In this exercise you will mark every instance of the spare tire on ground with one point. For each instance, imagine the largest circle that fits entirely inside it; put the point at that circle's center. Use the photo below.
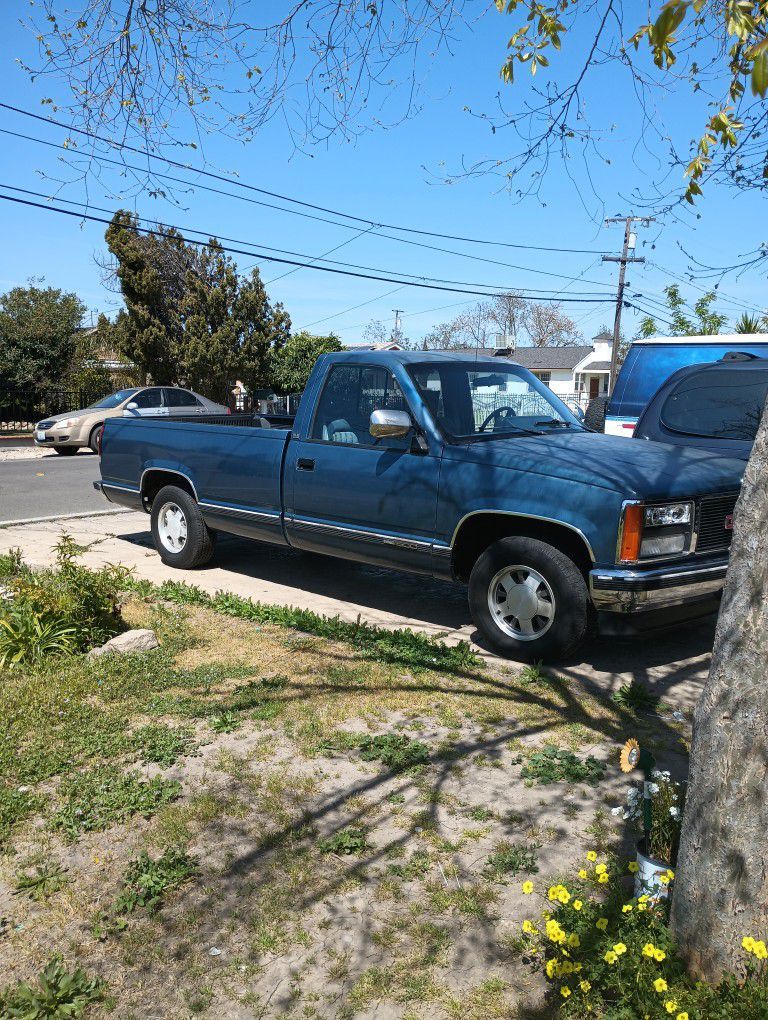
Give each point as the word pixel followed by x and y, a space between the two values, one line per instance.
pixel 594 416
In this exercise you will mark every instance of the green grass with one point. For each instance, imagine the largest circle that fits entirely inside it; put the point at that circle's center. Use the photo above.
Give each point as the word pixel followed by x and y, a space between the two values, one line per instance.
pixel 103 796
pixel 162 745
pixel 15 807
pixel 402 646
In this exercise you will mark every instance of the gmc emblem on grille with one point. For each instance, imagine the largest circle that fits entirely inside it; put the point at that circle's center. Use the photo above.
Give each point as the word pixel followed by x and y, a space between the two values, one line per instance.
pixel 728 522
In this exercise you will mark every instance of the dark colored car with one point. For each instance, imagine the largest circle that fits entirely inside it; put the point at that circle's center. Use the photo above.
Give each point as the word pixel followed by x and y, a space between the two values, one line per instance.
pixel 716 406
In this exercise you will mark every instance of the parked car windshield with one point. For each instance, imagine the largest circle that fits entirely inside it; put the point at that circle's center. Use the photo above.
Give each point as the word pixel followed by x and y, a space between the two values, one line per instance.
pixel 719 403
pixel 114 399
pixel 472 401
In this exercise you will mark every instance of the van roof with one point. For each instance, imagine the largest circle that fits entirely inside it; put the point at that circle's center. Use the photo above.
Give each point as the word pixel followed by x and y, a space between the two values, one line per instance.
pixel 715 338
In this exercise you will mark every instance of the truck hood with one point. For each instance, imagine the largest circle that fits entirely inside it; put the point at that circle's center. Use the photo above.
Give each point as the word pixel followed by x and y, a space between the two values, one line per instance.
pixel 636 469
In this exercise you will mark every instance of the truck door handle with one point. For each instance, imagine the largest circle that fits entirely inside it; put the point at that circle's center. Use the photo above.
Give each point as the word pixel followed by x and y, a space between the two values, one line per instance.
pixel 305 464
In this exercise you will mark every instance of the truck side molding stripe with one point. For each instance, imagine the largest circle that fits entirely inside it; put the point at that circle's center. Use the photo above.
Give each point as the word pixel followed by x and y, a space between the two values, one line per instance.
pixel 235 511
pixel 533 517
pixel 361 535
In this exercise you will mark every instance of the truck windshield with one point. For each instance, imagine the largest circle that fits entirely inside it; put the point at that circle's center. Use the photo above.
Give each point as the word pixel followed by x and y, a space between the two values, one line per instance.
pixel 476 401
pixel 722 403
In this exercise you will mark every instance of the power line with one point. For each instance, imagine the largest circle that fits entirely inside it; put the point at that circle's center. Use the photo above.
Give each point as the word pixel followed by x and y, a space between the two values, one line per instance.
pixel 287 198
pixel 325 269
pixel 354 309
pixel 294 212
pixel 312 263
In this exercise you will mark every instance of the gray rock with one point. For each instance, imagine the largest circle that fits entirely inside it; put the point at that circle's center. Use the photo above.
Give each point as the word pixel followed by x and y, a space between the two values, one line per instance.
pixel 130 641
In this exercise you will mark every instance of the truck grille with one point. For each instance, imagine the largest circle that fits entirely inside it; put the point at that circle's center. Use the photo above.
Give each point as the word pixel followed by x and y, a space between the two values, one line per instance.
pixel 716 522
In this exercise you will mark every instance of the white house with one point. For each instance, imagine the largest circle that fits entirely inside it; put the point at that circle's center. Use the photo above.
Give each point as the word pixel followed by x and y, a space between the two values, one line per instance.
pixel 573 373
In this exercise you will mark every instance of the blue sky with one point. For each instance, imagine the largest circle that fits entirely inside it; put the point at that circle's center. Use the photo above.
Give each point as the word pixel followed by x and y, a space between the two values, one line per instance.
pixel 395 176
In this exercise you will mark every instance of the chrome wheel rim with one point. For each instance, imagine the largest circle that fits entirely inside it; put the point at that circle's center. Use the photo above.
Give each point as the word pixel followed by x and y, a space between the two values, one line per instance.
pixel 172 527
pixel 521 602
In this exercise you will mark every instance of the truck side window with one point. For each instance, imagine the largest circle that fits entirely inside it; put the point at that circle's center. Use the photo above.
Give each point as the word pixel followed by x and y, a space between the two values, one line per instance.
pixel 349 396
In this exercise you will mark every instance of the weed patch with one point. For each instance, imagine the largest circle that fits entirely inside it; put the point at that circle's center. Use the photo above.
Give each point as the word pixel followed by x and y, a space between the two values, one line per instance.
pixel 46 880
pixel 147 881
pixel 349 841
pixel 553 765
pixel 510 859
pixel 636 696
pixel 162 745
pixel 58 995
pixel 103 796
pixel 15 806
pixel 394 750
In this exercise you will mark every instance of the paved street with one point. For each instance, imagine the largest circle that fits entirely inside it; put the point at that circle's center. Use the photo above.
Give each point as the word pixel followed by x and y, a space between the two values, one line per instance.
pixel 49 485
pixel 674 663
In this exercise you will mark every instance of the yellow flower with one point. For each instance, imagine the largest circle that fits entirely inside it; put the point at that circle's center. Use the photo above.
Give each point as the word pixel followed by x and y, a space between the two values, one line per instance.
pixel 574 941
pixel 660 985
pixel 626 909
pixel 667 877
pixel 577 904
pixel 527 888
pixel 659 955
pixel 591 855
pixel 552 967
pixel 602 879
pixel 670 1005
pixel 585 986
pixel 643 898
pixel 576 968
pixel 748 943
pixel 633 867
pixel 565 991
pixel 552 892
pixel 610 957
pixel 564 896
pixel 642 907
pixel 600 869
pixel 529 928
pixel 649 949
pixel 582 873
pixel 601 923
pixel 682 1016
pixel 760 950
pixel 619 949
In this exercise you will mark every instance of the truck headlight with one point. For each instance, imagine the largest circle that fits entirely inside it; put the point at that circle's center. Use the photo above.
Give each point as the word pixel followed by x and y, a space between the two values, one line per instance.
pixel 653 530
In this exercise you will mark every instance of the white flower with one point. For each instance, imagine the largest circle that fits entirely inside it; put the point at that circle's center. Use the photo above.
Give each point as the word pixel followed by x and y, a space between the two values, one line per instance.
pixel 617 811
pixel 653 788
pixel 675 812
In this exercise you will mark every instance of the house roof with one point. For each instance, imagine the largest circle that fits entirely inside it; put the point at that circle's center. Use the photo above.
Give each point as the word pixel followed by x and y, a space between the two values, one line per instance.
pixel 598 366
pixel 546 358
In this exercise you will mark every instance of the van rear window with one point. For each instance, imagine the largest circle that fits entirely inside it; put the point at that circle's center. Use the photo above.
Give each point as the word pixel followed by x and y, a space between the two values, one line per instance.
pixel 647 366
pixel 718 403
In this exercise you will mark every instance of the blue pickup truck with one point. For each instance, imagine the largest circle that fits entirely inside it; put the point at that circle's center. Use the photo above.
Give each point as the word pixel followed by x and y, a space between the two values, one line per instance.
pixel 453 466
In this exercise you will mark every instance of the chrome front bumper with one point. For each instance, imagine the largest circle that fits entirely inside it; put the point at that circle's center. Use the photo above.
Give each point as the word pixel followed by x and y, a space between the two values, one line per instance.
pixel 637 591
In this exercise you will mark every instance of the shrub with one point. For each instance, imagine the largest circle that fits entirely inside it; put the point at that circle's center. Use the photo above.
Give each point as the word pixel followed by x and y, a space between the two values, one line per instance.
pixel 84 602
pixel 667 800
pixel 146 881
pixel 553 766
pixel 28 634
pixel 613 957
pixel 394 750
pixel 57 994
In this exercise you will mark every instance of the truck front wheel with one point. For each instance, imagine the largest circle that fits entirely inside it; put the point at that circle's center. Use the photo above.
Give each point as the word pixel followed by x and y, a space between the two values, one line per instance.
pixel 529 600
pixel 178 529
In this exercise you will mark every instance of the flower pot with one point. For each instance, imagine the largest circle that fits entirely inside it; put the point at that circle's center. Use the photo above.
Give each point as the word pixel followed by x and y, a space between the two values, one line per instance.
pixel 648 876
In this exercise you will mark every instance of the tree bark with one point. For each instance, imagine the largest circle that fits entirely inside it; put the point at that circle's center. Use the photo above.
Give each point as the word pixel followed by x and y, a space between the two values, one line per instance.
pixel 721 887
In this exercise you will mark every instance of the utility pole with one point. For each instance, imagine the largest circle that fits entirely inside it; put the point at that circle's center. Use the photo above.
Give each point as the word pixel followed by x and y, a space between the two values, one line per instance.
pixel 396 332
pixel 630 240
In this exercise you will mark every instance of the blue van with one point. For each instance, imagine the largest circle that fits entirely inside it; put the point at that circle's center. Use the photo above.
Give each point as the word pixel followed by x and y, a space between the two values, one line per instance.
pixel 651 362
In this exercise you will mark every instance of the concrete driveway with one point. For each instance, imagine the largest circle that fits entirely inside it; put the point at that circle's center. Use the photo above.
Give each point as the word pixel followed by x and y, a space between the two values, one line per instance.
pixel 673 663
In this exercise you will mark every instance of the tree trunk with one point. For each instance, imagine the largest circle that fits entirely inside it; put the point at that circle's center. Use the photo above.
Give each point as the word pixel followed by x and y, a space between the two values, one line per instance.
pixel 721 888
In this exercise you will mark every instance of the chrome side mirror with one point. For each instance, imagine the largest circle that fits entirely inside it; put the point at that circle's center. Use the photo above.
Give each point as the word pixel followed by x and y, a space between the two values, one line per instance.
pixel 390 424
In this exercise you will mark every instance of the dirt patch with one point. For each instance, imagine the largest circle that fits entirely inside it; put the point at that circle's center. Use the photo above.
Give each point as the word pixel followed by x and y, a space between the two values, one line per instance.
pixel 328 882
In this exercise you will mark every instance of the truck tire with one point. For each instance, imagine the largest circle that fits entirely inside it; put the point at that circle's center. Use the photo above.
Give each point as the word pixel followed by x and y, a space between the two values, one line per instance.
pixel 594 416
pixel 542 586
pixel 179 532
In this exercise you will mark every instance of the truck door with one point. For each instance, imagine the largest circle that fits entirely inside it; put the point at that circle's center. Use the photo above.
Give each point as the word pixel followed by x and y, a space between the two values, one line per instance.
pixel 352 496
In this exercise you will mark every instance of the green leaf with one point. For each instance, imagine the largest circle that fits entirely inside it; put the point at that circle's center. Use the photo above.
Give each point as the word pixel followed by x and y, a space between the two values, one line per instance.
pixel 759 78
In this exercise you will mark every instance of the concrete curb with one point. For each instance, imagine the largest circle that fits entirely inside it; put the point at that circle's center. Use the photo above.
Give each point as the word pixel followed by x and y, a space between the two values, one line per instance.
pixel 65 517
